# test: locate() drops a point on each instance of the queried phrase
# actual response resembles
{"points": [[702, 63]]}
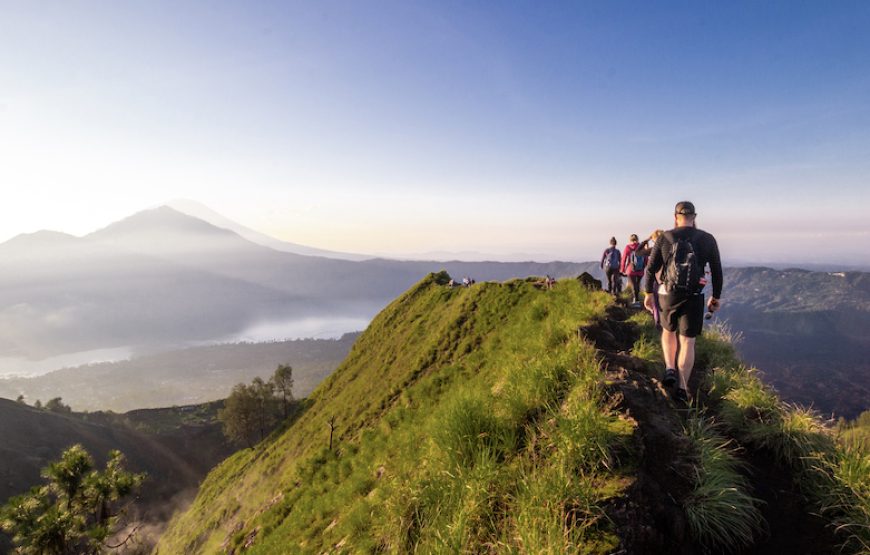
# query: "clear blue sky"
{"points": [[408, 127]]}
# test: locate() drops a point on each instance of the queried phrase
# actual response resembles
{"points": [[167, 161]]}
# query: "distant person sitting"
{"points": [[610, 260], [632, 265], [681, 255], [466, 281]]}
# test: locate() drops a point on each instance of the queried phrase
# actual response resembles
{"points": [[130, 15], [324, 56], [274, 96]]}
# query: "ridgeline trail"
{"points": [[650, 518], [515, 418]]}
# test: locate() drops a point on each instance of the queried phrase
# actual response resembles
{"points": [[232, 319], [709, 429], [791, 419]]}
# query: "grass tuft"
{"points": [[722, 515]]}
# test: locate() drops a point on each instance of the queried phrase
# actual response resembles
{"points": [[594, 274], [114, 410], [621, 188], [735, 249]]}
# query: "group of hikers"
{"points": [[673, 264]]}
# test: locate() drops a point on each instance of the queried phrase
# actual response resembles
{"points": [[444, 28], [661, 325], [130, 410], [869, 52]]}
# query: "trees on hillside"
{"points": [[283, 379], [252, 411], [76, 511]]}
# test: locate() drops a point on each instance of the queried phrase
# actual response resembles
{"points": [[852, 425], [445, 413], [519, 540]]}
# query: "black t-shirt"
{"points": [[705, 248]]}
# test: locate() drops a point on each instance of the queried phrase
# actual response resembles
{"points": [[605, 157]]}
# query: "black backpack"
{"points": [[683, 272]]}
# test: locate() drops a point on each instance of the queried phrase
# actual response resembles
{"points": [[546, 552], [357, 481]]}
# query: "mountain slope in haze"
{"points": [[202, 212], [176, 457], [161, 279], [805, 329], [508, 418]]}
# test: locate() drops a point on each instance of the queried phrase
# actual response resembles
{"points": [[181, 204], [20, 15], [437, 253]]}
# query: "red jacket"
{"points": [[626, 255]]}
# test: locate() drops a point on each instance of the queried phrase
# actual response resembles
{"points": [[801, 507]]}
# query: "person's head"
{"points": [[632, 238], [684, 214], [613, 241], [655, 235]]}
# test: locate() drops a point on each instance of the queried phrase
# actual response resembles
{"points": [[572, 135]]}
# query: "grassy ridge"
{"points": [[475, 420], [466, 418]]}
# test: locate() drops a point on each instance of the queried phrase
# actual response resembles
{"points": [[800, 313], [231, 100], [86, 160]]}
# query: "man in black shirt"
{"points": [[682, 305]]}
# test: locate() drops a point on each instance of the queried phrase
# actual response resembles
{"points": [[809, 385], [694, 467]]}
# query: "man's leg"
{"points": [[687, 359], [669, 347]]}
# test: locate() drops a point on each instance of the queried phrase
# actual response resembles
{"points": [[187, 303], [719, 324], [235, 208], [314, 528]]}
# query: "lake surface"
{"points": [[271, 330], [23, 367], [316, 328]]}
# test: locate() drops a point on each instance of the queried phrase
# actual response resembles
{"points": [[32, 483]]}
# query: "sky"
{"points": [[514, 129]]}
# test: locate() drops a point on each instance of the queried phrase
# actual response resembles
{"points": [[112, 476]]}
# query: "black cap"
{"points": [[685, 208]]}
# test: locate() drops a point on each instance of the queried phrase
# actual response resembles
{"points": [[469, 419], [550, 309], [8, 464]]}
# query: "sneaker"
{"points": [[681, 396], [670, 377]]}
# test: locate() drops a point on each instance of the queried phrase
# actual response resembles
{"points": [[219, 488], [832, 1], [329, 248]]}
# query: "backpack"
{"points": [[636, 262], [613, 258], [682, 270]]}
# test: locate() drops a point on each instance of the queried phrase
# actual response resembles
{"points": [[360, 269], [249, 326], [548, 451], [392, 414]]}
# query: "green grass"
{"points": [[473, 420], [834, 475], [722, 515], [469, 420]]}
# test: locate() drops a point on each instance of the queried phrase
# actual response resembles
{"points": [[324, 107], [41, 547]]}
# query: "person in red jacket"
{"points": [[633, 265]]}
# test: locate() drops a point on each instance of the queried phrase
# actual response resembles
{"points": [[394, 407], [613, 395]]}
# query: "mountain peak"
{"points": [[161, 219], [203, 212], [42, 238]]}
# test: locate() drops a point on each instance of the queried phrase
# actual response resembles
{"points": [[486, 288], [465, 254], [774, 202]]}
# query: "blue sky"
{"points": [[411, 127]]}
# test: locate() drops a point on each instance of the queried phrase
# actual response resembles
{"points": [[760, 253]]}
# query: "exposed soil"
{"points": [[650, 517]]}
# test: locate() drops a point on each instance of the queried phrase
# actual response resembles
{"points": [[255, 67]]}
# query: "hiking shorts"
{"points": [[682, 313]]}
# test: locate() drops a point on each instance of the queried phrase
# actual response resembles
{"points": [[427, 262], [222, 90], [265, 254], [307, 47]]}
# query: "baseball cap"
{"points": [[685, 208]]}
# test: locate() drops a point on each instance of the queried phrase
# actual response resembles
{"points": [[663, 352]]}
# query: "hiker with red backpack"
{"points": [[681, 255], [610, 261], [633, 264]]}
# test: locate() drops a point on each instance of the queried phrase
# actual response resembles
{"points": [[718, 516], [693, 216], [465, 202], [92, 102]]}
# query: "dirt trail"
{"points": [[650, 517]]}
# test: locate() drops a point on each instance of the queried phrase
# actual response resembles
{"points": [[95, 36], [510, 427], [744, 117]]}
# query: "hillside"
{"points": [[804, 327], [502, 418], [176, 447]]}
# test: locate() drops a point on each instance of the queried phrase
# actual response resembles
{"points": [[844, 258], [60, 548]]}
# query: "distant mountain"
{"points": [[202, 212], [161, 279], [808, 331]]}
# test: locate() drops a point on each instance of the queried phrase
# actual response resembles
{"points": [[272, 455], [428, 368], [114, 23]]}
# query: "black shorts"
{"points": [[683, 313]]}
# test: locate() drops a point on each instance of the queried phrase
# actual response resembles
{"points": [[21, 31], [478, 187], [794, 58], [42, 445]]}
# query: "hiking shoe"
{"points": [[681, 396], [670, 377]]}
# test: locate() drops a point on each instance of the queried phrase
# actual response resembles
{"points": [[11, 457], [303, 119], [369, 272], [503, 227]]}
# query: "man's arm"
{"points": [[656, 261], [716, 275]]}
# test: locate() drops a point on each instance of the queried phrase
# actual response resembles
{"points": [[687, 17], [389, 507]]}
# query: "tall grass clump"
{"points": [[722, 515], [467, 430], [717, 347], [558, 513], [845, 499], [834, 477]]}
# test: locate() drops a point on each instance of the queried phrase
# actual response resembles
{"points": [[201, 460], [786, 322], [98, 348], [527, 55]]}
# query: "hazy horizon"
{"points": [[409, 128], [505, 255]]}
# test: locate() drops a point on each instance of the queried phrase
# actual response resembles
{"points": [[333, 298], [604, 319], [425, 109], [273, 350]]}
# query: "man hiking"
{"points": [[682, 254], [610, 264]]}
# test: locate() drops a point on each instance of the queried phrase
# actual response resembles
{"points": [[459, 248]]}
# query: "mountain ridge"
{"points": [[467, 418]]}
